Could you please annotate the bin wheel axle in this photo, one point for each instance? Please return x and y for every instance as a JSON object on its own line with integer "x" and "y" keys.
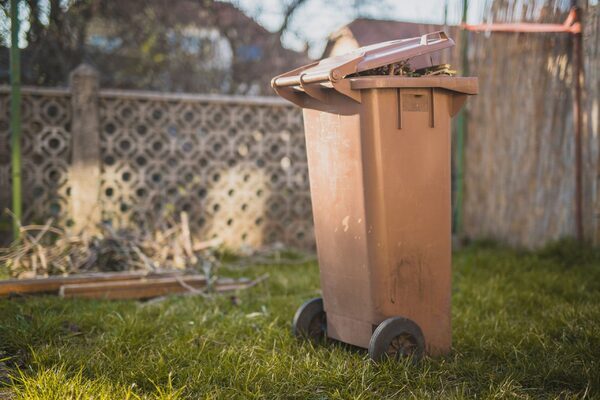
{"x": 397, "y": 338}
{"x": 310, "y": 321}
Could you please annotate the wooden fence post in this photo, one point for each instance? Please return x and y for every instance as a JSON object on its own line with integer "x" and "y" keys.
{"x": 84, "y": 172}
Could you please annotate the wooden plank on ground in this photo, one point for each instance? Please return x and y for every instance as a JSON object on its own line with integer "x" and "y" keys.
{"x": 52, "y": 284}
{"x": 157, "y": 287}
{"x": 134, "y": 289}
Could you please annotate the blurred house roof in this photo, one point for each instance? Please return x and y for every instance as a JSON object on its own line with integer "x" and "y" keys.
{"x": 364, "y": 31}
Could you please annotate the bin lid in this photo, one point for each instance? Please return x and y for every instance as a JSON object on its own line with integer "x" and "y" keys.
{"x": 365, "y": 58}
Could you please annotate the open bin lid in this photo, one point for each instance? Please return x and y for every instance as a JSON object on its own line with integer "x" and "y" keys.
{"x": 321, "y": 85}
{"x": 365, "y": 58}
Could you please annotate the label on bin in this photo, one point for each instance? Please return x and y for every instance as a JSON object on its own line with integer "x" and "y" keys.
{"x": 415, "y": 102}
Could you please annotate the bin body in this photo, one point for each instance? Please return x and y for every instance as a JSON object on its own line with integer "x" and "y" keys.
{"x": 380, "y": 188}
{"x": 378, "y": 147}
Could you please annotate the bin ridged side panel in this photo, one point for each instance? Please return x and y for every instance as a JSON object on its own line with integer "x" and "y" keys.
{"x": 337, "y": 188}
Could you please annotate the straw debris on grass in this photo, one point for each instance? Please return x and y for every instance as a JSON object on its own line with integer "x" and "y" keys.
{"x": 48, "y": 250}
{"x": 121, "y": 263}
{"x": 45, "y": 250}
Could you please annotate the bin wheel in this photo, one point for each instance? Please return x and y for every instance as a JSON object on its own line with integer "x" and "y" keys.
{"x": 310, "y": 321}
{"x": 397, "y": 338}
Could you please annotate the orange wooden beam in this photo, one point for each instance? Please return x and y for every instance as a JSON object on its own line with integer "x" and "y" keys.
{"x": 569, "y": 26}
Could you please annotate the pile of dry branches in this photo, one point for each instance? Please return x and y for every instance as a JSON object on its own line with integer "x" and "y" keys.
{"x": 49, "y": 250}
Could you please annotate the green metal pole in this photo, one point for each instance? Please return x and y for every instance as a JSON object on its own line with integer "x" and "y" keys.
{"x": 446, "y": 13}
{"x": 15, "y": 117}
{"x": 461, "y": 125}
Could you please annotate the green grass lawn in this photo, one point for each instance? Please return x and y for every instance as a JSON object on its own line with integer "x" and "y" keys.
{"x": 526, "y": 325}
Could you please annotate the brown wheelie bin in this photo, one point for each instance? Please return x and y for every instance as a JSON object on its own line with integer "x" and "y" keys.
{"x": 378, "y": 152}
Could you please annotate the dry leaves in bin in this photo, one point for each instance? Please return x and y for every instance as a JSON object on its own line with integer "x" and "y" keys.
{"x": 403, "y": 68}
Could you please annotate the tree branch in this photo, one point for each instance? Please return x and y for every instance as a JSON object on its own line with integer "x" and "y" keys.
{"x": 4, "y": 8}
{"x": 287, "y": 15}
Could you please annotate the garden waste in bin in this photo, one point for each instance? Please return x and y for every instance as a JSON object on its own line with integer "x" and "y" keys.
{"x": 378, "y": 149}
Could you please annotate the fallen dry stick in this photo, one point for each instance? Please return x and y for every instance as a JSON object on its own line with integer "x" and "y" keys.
{"x": 156, "y": 287}
{"x": 208, "y": 244}
{"x": 52, "y": 284}
{"x": 133, "y": 289}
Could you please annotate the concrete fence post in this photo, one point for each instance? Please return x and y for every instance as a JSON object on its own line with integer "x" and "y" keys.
{"x": 84, "y": 174}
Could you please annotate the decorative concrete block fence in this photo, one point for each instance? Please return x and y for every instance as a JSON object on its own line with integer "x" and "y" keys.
{"x": 236, "y": 165}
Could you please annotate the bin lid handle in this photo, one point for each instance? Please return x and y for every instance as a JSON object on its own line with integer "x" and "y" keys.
{"x": 440, "y": 34}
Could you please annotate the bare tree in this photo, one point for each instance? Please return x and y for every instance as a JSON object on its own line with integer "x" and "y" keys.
{"x": 289, "y": 11}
